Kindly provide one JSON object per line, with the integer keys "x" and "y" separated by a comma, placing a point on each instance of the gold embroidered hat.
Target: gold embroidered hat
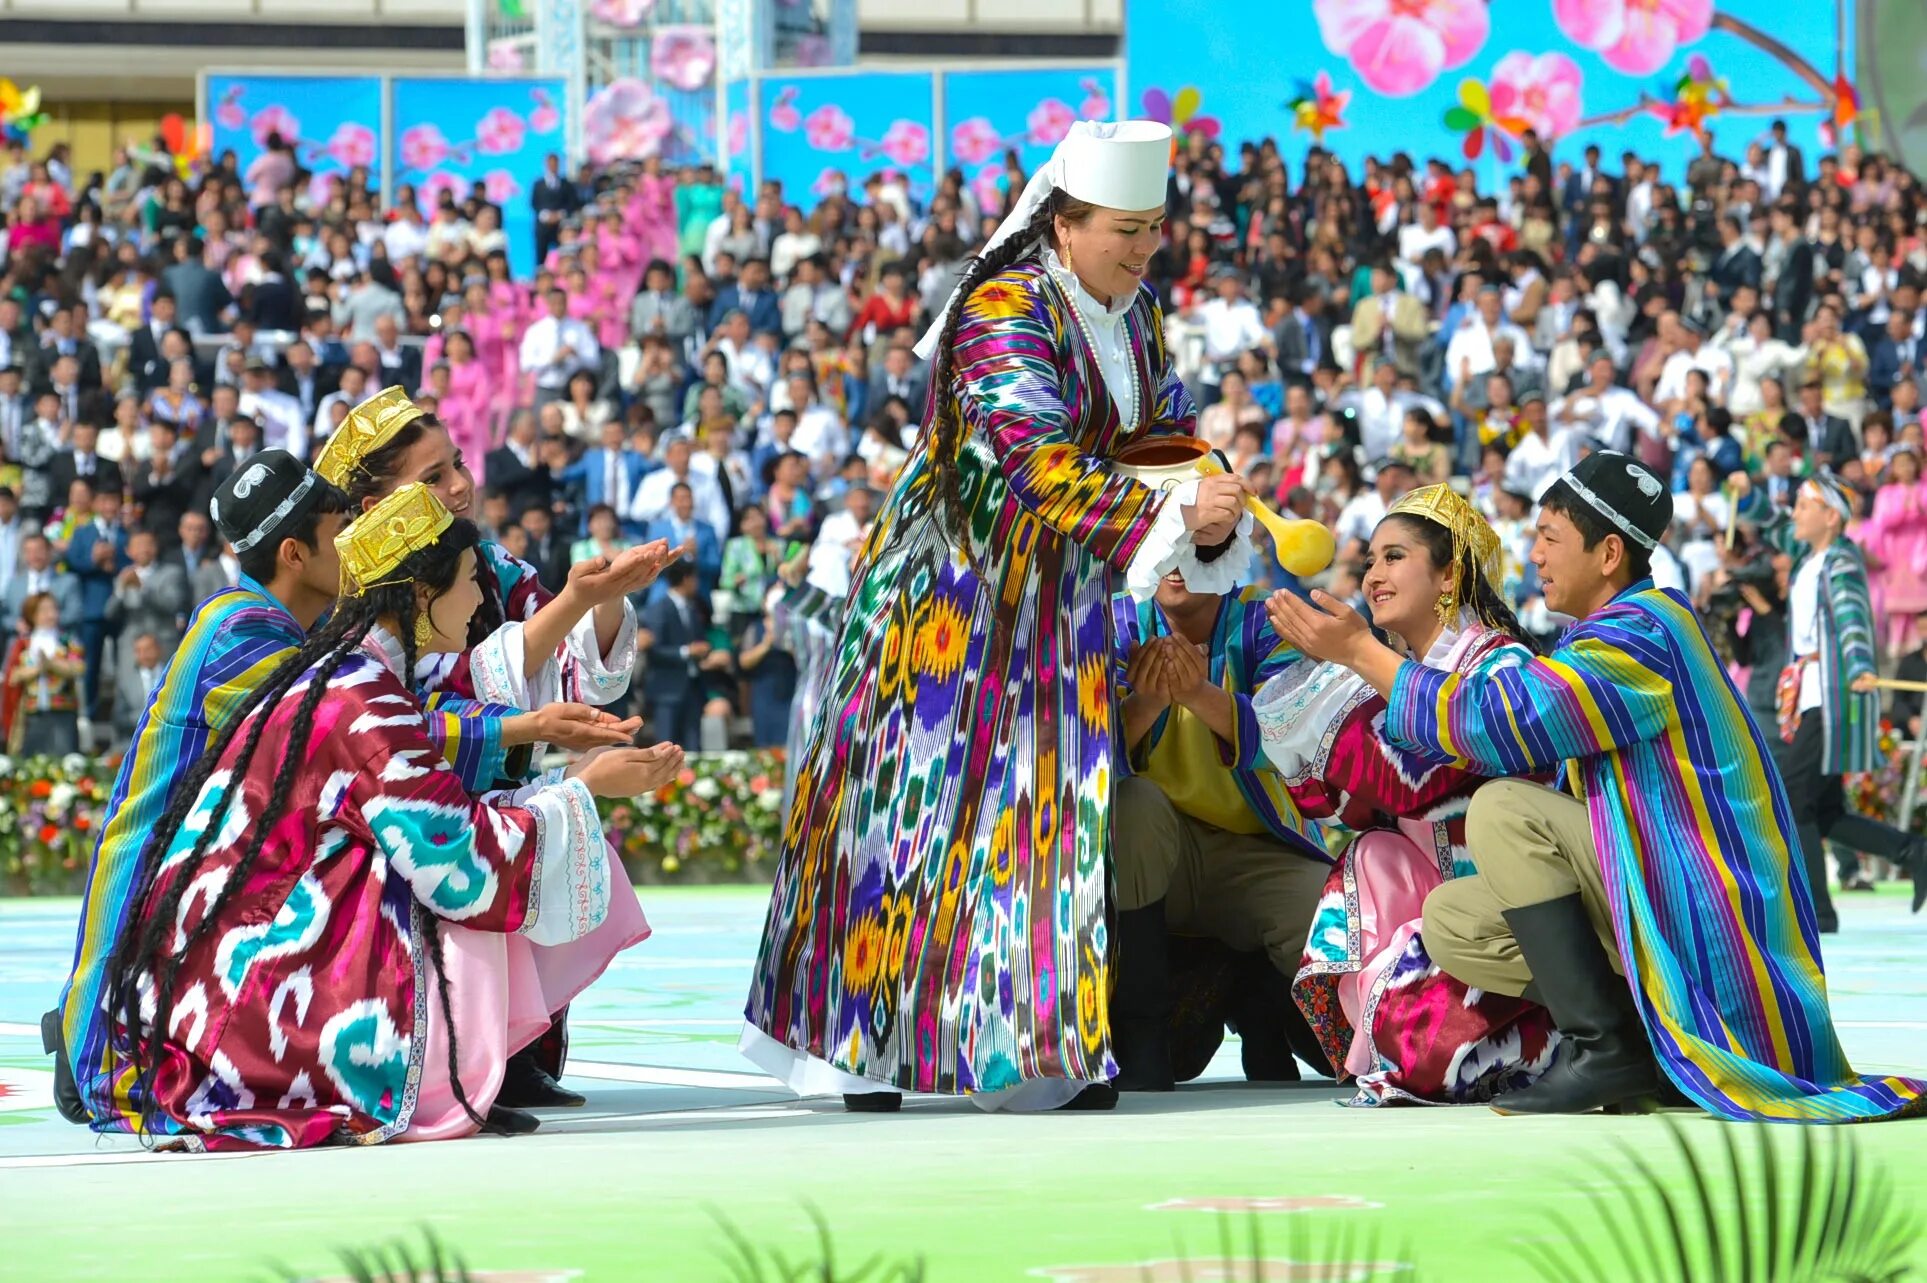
{"x": 1467, "y": 526}
{"x": 368, "y": 427}
{"x": 403, "y": 524}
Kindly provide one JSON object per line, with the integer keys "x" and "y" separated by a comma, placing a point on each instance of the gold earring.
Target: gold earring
{"x": 1448, "y": 608}
{"x": 1068, "y": 265}
{"x": 424, "y": 631}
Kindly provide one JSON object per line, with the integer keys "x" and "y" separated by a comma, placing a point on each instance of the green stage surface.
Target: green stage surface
{"x": 680, "y": 1132}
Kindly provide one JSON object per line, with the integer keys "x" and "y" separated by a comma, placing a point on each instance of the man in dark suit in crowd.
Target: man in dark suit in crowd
{"x": 38, "y": 573}
{"x": 519, "y": 467}
{"x": 553, "y": 198}
{"x": 752, "y": 296}
{"x": 904, "y": 376}
{"x": 1578, "y": 193}
{"x": 198, "y": 289}
{"x": 77, "y": 402}
{"x": 1793, "y": 287}
{"x": 1829, "y": 439}
{"x": 270, "y": 302}
{"x": 1302, "y": 337}
{"x": 66, "y": 335}
{"x": 95, "y": 556}
{"x": 84, "y": 462}
{"x": 304, "y": 378}
{"x": 1892, "y": 356}
{"x": 608, "y": 475}
{"x": 673, "y": 686}
{"x": 144, "y": 359}
{"x": 198, "y": 555}
{"x": 548, "y": 549}
{"x": 166, "y": 486}
{"x": 1785, "y": 161}
{"x": 1736, "y": 264}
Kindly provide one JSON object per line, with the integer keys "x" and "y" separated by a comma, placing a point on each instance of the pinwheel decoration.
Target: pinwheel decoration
{"x": 1181, "y": 113}
{"x": 188, "y": 147}
{"x": 1846, "y": 111}
{"x": 1316, "y": 107}
{"x": 1474, "y": 117}
{"x": 1697, "y": 96}
{"x": 20, "y": 111}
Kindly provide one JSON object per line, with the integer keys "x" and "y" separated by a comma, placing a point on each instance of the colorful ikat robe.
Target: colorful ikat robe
{"x": 235, "y": 640}
{"x": 300, "y": 1018}
{"x": 937, "y": 920}
{"x": 1712, "y": 914}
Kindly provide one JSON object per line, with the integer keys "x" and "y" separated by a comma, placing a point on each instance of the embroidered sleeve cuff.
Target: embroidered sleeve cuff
{"x": 496, "y": 670}
{"x": 569, "y": 888}
{"x": 1167, "y": 546}
{"x": 603, "y": 679}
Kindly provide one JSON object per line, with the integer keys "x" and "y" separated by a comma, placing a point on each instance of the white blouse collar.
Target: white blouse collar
{"x": 1085, "y": 301}
{"x": 385, "y": 646}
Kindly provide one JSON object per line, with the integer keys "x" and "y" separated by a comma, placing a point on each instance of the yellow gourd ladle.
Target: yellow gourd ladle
{"x": 1304, "y": 547}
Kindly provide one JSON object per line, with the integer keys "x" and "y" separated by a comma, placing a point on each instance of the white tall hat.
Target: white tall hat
{"x": 1123, "y": 164}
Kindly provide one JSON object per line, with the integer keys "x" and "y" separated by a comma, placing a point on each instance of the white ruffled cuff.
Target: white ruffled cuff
{"x": 1167, "y": 547}
{"x": 569, "y": 895}
{"x": 603, "y": 679}
{"x": 1297, "y": 713}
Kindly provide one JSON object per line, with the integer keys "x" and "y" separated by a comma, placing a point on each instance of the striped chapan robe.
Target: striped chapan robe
{"x": 1712, "y": 914}
{"x": 236, "y": 639}
{"x": 1850, "y": 718}
{"x": 937, "y": 919}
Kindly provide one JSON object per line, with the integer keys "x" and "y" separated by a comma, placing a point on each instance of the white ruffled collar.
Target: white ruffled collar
{"x": 385, "y": 646}
{"x": 1081, "y": 298}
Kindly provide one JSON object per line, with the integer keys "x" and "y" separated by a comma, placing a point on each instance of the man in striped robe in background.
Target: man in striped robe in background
{"x": 1665, "y": 858}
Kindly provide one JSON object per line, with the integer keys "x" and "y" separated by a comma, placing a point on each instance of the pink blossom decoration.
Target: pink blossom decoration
{"x": 428, "y": 192}
{"x": 784, "y": 118}
{"x": 545, "y": 119}
{"x": 1636, "y": 37}
{"x": 231, "y": 115}
{"x": 352, "y": 145}
{"x": 504, "y": 55}
{"x": 974, "y": 141}
{"x": 625, "y": 120}
{"x": 1398, "y": 47}
{"x": 830, "y": 182}
{"x": 829, "y": 128}
{"x": 501, "y": 186}
{"x": 683, "y": 57}
{"x": 1097, "y": 101}
{"x": 274, "y": 119}
{"x": 423, "y": 147}
{"x": 986, "y": 188}
{"x": 500, "y": 132}
{"x": 906, "y": 143}
{"x": 1542, "y": 91}
{"x": 738, "y": 137}
{"x": 621, "y": 13}
{"x": 1050, "y": 120}
{"x": 321, "y": 187}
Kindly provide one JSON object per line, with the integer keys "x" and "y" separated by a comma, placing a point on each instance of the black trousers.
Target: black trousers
{"x": 1820, "y": 815}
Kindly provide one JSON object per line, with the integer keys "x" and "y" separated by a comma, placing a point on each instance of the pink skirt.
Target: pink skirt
{"x": 1393, "y": 878}
{"x": 504, "y": 991}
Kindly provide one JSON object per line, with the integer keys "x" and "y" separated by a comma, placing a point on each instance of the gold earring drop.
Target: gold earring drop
{"x": 1068, "y": 265}
{"x": 424, "y": 633}
{"x": 1448, "y": 608}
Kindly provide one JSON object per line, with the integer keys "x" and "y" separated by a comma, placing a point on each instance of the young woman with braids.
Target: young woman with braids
{"x": 937, "y": 922}
{"x": 526, "y": 649}
{"x": 327, "y": 952}
{"x": 1384, "y": 1013}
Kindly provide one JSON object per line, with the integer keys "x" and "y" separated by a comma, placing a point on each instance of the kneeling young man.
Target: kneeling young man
{"x": 1206, "y": 840}
{"x": 1656, "y": 910}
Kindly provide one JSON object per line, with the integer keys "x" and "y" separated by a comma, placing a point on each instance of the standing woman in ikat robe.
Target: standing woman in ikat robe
{"x": 938, "y": 917}
{"x": 337, "y": 946}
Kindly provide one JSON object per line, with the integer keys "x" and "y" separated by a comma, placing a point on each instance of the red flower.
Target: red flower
{"x": 40, "y": 788}
{"x": 48, "y": 832}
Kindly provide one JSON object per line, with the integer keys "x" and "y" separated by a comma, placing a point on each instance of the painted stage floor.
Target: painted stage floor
{"x": 682, "y": 1138}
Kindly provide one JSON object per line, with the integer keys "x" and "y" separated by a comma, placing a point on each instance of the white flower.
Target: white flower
{"x": 770, "y": 799}
{"x": 705, "y": 788}
{"x": 61, "y": 798}
{"x": 6, "y": 764}
{"x": 73, "y": 764}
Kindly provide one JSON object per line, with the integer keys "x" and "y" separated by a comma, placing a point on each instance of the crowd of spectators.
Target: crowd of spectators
{"x": 736, "y": 372}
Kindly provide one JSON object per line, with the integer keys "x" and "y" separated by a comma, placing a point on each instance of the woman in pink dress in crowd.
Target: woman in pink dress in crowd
{"x": 1895, "y": 541}
{"x": 466, "y": 402}
{"x": 512, "y": 307}
{"x": 610, "y": 318}
{"x": 592, "y": 302}
{"x": 487, "y": 332}
{"x": 652, "y": 213}
{"x": 621, "y": 253}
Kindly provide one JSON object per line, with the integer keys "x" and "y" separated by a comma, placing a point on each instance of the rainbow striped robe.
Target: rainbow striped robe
{"x": 236, "y": 639}
{"x": 1711, "y": 911}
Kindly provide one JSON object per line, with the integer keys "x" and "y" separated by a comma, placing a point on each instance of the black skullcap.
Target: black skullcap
{"x": 1625, "y": 492}
{"x": 268, "y": 493}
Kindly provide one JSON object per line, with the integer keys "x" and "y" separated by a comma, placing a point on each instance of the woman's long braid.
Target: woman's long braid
{"x": 946, "y": 414}
{"x": 409, "y": 611}
{"x": 294, "y": 757}
{"x": 1487, "y": 605}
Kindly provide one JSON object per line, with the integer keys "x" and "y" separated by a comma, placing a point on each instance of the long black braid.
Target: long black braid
{"x": 143, "y": 940}
{"x": 946, "y": 416}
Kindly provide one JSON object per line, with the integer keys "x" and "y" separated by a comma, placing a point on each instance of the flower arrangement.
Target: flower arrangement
{"x": 50, "y": 816}
{"x": 721, "y": 820}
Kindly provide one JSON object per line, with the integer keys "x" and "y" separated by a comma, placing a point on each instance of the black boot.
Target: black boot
{"x": 1606, "y": 1059}
{"x": 66, "y": 1090}
{"x": 872, "y": 1102}
{"x": 1264, "y": 1014}
{"x": 1141, "y": 1002}
{"x": 501, "y": 1120}
{"x": 1093, "y": 1099}
{"x": 1913, "y": 859}
{"x": 526, "y": 1085}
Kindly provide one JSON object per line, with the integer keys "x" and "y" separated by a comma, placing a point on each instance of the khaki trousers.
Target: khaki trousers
{"x": 1249, "y": 891}
{"x": 1531, "y": 844}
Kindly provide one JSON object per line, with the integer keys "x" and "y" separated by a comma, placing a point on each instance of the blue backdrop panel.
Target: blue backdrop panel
{"x": 822, "y": 131}
{"x": 986, "y": 113}
{"x": 453, "y": 132}
{"x": 1578, "y": 71}
{"x": 738, "y": 160}
{"x": 333, "y": 122}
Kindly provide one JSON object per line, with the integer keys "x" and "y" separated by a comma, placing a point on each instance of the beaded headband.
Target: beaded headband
{"x": 403, "y": 524}
{"x": 368, "y": 427}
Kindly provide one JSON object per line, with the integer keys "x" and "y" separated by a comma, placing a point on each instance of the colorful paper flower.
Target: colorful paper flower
{"x": 1181, "y": 113}
{"x": 683, "y": 57}
{"x": 784, "y": 118}
{"x": 1398, "y": 47}
{"x": 351, "y": 144}
{"x": 1316, "y": 107}
{"x": 625, "y": 120}
{"x": 1698, "y": 96}
{"x": 423, "y": 147}
{"x": 974, "y": 141}
{"x": 500, "y": 132}
{"x": 1475, "y": 118}
{"x": 829, "y": 128}
{"x": 1846, "y": 110}
{"x": 1049, "y": 121}
{"x": 1542, "y": 91}
{"x": 1097, "y": 100}
{"x": 1636, "y": 37}
{"x": 274, "y": 119}
{"x": 906, "y": 143}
